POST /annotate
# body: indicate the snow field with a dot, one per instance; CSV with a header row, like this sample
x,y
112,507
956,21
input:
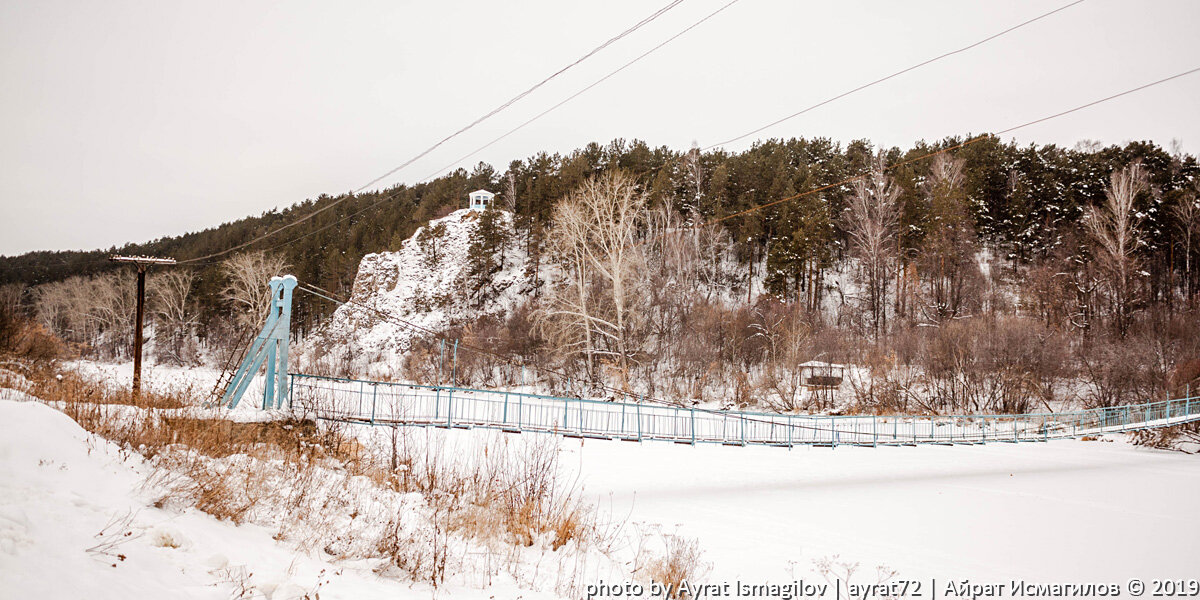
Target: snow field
x,y
1064,510
1059,511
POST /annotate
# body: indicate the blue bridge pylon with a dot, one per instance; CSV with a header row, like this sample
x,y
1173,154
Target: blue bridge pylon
x,y
271,346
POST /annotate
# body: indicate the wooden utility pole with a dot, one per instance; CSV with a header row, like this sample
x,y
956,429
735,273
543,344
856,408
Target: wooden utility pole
x,y
141,262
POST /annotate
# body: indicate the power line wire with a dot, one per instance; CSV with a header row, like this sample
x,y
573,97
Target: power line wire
x,y
681,33
896,74
653,16
539,84
514,130
208,258
1093,103
582,91
822,188
935,153
591,53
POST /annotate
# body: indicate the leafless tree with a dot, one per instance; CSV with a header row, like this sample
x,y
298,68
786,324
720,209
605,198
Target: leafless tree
x,y
53,308
693,172
695,261
594,237
788,343
872,217
174,320
246,291
1047,291
566,318
97,312
10,313
115,304
510,192
1114,230
169,293
10,297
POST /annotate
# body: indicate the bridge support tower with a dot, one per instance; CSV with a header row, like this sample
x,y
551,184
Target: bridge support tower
x,y
271,347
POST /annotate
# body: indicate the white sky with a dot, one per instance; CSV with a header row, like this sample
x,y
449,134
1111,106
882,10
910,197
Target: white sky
x,y
130,120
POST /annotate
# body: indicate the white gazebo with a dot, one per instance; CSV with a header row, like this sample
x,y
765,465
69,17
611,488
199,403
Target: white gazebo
x,y
481,199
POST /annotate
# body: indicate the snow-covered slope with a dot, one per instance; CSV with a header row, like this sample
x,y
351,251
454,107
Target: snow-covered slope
x,y
77,521
422,284
120,526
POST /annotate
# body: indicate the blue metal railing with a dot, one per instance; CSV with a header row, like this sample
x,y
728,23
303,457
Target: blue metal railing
x,y
389,403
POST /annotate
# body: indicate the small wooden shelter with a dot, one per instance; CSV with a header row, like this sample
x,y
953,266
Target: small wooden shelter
x,y
822,380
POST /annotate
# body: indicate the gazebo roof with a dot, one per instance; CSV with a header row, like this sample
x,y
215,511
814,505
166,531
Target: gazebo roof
x,y
816,364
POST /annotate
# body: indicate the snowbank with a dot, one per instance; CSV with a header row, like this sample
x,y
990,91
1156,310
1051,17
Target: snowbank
x,y
77,520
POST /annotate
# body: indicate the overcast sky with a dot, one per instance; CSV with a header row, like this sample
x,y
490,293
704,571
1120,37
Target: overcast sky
x,y
130,120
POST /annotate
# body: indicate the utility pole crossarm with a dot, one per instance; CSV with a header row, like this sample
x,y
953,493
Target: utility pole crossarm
x,y
142,260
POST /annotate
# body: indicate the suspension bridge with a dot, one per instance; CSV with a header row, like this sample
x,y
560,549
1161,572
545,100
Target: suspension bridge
x,y
403,404
394,404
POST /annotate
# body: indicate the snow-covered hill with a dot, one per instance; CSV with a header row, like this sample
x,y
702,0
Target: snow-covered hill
x,y
421,284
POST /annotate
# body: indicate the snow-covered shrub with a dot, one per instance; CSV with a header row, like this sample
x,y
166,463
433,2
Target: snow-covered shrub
x,y
1185,438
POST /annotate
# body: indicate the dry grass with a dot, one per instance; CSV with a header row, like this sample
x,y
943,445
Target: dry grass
x,y
505,496
53,385
840,574
678,560
505,492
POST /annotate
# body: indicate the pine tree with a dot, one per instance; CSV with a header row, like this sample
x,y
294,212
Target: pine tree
x,y
485,255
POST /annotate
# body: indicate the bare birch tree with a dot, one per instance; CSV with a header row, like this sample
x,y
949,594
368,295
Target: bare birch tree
x,y
567,318
115,306
594,234
1114,230
695,260
51,307
246,290
174,320
872,217
510,192
97,312
1187,215
693,173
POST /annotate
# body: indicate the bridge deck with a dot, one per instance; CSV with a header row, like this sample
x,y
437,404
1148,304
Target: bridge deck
x,y
387,403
